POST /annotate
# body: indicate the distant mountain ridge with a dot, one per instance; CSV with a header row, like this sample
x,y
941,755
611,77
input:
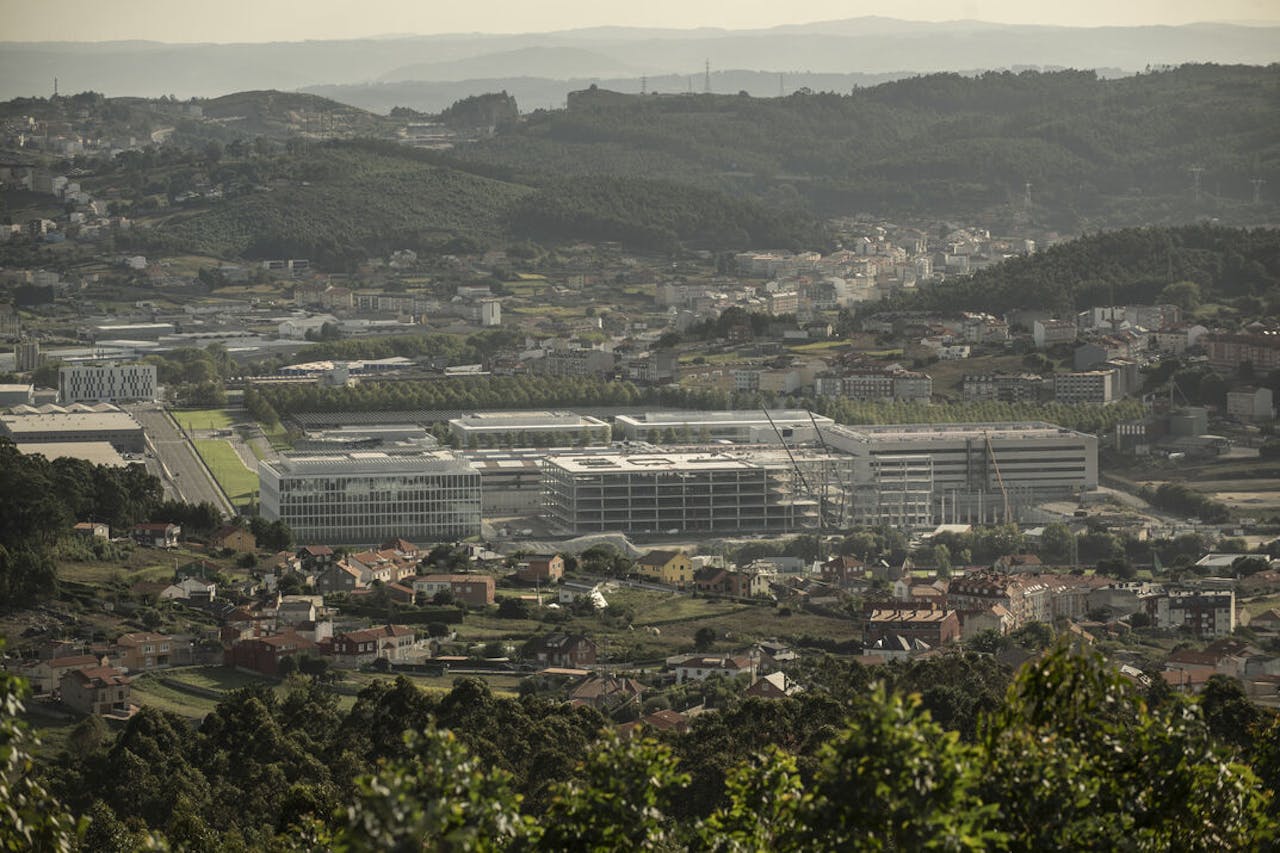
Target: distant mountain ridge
x,y
866,45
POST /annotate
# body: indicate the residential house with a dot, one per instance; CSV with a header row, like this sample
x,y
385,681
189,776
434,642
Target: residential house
x,y
669,567
472,590
157,534
393,642
191,589
541,568
571,591
841,570
385,566
264,654
143,651
338,577
293,610
1204,613
45,675
92,530
563,650
896,647
315,557
99,690
700,668
775,685
935,626
606,692
406,549
1048,333
237,539
665,720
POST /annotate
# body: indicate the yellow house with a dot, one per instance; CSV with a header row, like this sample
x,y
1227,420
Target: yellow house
x,y
669,567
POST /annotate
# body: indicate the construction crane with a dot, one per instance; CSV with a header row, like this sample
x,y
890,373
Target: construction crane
x,y
796,465
826,453
995,464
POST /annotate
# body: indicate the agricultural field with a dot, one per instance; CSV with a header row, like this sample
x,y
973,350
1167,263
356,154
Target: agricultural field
x,y
240,484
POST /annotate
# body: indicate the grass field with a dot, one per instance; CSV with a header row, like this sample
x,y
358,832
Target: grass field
x,y
236,480
277,435
190,419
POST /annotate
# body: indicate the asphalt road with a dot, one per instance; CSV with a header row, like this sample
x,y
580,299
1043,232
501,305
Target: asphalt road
x,y
183,470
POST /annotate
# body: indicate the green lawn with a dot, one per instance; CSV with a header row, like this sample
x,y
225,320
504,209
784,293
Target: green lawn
x,y
277,435
236,480
190,419
217,677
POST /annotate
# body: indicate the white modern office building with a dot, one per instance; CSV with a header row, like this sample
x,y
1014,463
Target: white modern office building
x,y
110,383
370,496
665,492
528,429
757,427
972,472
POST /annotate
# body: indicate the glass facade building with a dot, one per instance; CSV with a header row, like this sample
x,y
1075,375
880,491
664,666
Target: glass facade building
x,y
369,497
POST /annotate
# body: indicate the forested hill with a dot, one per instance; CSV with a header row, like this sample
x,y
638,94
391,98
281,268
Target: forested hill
x,y
340,202
1229,265
1098,153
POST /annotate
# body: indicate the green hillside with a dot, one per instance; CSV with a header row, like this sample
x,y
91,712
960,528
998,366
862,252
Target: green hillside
x,y
1097,152
1229,266
342,202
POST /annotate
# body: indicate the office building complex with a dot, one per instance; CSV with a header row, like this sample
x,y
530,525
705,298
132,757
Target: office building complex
x,y
106,383
662,492
528,429
748,426
970,472
372,496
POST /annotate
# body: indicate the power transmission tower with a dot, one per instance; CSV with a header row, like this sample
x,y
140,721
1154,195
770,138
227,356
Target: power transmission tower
x,y
644,85
1257,190
1196,172
706,80
1026,196
781,93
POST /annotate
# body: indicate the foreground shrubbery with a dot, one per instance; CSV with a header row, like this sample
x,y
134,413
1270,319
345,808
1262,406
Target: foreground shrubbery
x,y
1074,758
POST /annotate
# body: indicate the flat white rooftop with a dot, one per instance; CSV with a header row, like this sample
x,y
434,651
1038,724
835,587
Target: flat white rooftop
x,y
732,418
368,462
521,420
951,432
646,463
67,422
97,452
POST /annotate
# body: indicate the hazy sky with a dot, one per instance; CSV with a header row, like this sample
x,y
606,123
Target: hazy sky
x,y
294,20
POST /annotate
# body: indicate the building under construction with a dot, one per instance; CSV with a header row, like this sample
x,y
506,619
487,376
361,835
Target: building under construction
x,y
721,492
919,475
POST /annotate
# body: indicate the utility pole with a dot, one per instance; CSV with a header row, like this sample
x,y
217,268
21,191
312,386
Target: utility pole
x,y
1026,196
706,80
1196,172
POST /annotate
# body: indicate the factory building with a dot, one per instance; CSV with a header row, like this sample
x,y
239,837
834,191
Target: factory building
x,y
26,425
372,496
